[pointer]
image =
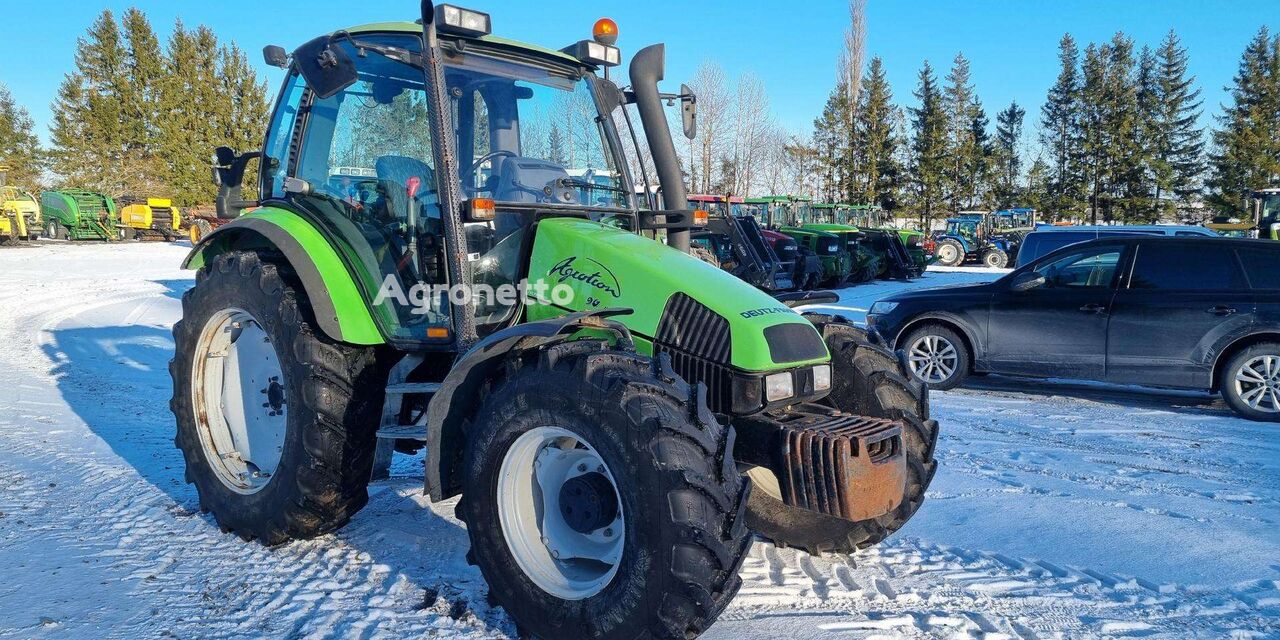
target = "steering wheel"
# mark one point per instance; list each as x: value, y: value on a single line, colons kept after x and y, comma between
x: 475, y: 166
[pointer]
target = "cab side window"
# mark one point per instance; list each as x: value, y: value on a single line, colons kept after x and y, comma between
x: 275, y: 163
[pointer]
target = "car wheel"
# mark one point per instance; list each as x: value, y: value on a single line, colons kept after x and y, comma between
x: 1251, y: 382
x: 937, y: 356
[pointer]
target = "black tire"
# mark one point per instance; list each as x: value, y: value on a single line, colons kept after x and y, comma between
x: 995, y: 258
x: 964, y: 359
x: 128, y: 233
x: 334, y: 393
x: 870, y: 380
x: 1233, y: 395
x: 685, y: 535
x: 947, y: 258
x: 55, y: 230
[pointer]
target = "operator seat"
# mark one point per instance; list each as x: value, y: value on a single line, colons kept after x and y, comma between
x: 406, y: 184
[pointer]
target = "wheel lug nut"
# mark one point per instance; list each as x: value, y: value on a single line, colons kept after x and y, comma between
x: 608, y: 533
x: 582, y: 467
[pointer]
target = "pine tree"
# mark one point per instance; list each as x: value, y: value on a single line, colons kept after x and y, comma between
x: 878, y: 176
x: 19, y: 147
x: 1008, y: 163
x: 1178, y: 161
x: 1060, y: 132
x: 1246, y: 153
x: 140, y: 167
x: 929, y: 160
x: 1113, y: 158
x: 979, y: 162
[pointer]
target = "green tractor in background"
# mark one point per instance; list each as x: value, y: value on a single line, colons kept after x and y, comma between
x: 1262, y: 221
x: 77, y: 214
x: 788, y: 215
x: 604, y: 426
x: 871, y: 216
x: 881, y: 251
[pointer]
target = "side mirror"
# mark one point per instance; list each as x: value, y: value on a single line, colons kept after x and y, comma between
x: 228, y: 174
x: 275, y: 56
x: 326, y: 68
x: 1027, y: 281
x: 689, y: 111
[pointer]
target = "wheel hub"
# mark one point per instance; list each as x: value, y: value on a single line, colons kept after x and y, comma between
x: 588, y: 502
x: 560, y: 513
x: 240, y: 400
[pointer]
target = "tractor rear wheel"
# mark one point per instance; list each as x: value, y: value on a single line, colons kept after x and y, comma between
x: 995, y: 258
x: 275, y: 421
x: 949, y: 253
x: 617, y: 515
x: 869, y: 380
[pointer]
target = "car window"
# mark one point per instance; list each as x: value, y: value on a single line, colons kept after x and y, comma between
x: 1166, y: 266
x: 1093, y: 268
x: 1261, y: 267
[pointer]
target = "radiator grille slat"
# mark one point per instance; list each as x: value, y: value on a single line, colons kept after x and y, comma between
x: 699, y: 344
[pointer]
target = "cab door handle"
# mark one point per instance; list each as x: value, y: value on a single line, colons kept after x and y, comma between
x: 1093, y: 308
x: 1221, y: 310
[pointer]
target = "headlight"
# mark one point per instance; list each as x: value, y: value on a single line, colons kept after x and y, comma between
x: 822, y: 377
x: 778, y: 387
x: 881, y: 308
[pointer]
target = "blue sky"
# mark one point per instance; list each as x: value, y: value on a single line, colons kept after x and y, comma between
x: 792, y: 46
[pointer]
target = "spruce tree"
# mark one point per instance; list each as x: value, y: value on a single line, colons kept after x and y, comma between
x: 929, y: 160
x: 19, y: 147
x: 831, y: 139
x: 1008, y: 163
x: 962, y: 148
x: 141, y: 168
x: 875, y: 142
x: 1061, y: 134
x: 1246, y: 153
x: 89, y: 128
x: 1178, y: 161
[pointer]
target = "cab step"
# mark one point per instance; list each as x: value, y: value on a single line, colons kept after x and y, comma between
x: 404, y: 432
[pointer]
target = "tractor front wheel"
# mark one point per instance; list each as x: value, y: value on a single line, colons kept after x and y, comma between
x: 276, y: 422
x: 869, y: 380
x: 616, y: 515
x: 949, y: 253
x: 198, y: 229
x: 995, y: 258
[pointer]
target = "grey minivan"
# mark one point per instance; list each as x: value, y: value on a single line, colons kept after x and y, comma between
x: 1046, y: 240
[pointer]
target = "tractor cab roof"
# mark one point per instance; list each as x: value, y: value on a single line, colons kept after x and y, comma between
x: 779, y: 198
x: 496, y: 42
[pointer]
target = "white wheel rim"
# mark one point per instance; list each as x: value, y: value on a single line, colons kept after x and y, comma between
x: 1258, y: 383
x: 238, y: 392
x: 933, y: 359
x: 560, y: 560
x: 946, y: 253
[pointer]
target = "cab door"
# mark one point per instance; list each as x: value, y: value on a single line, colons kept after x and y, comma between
x: 1058, y: 329
x: 1182, y: 299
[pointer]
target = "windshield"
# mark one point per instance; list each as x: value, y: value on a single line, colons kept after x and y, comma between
x: 531, y: 134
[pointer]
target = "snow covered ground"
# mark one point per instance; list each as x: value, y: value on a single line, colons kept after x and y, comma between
x: 1059, y: 510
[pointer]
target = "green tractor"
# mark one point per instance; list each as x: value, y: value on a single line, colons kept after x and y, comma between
x: 77, y: 214
x: 601, y: 402
x: 789, y: 215
x: 1261, y: 221
x: 871, y: 216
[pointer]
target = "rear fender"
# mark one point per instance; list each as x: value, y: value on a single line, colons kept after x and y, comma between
x: 331, y: 289
x: 460, y: 392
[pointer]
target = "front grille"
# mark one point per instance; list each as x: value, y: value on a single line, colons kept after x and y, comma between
x: 699, y: 344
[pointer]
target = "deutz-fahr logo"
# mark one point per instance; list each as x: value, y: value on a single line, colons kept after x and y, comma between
x: 598, y: 276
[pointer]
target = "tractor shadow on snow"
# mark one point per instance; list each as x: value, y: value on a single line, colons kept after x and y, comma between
x: 116, y: 379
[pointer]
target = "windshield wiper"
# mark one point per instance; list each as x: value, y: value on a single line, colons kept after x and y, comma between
x: 583, y: 184
x: 387, y: 51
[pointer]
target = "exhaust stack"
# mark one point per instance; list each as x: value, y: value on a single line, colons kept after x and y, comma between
x: 647, y: 67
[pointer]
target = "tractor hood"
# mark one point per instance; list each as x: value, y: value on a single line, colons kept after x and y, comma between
x: 607, y: 267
